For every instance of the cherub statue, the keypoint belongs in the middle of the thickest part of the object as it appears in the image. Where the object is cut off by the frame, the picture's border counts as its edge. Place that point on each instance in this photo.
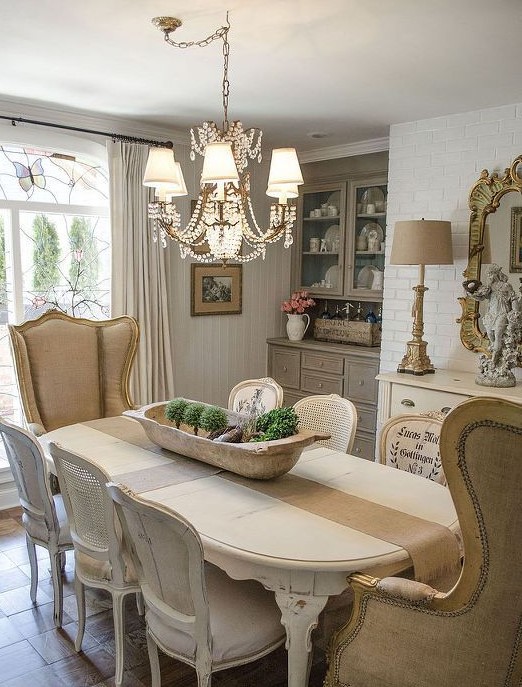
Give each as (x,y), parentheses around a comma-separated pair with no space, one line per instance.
(503,325)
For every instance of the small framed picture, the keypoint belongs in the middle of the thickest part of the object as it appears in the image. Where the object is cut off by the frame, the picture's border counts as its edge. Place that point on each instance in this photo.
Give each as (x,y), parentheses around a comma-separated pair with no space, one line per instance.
(216,290)
(515,244)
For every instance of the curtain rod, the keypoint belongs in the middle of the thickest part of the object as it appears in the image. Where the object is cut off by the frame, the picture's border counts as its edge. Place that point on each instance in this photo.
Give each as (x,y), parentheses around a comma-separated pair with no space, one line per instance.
(115,137)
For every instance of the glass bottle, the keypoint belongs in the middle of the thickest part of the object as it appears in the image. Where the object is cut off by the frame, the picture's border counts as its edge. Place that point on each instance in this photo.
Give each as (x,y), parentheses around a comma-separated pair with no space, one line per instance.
(371,317)
(325,315)
(337,314)
(359,317)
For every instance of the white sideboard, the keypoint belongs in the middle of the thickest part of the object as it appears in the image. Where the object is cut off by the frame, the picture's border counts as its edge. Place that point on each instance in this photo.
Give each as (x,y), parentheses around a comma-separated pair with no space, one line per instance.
(405,393)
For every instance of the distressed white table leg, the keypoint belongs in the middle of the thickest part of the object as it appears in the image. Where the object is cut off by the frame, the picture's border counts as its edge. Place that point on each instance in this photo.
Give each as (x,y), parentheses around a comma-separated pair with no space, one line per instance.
(299,616)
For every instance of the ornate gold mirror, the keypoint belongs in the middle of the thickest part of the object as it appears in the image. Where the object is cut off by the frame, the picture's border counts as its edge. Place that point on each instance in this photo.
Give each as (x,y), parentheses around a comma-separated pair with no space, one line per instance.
(495,236)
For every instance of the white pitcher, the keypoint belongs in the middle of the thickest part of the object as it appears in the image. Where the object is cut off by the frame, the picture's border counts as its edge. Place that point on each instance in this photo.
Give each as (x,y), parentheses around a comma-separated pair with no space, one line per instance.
(296,326)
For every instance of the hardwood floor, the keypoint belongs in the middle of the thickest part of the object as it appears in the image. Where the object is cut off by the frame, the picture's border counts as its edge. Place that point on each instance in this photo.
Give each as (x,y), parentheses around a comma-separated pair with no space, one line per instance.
(33,653)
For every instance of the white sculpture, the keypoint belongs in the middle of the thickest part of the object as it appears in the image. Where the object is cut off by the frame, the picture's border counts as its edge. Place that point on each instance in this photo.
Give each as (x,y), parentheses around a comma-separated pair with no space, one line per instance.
(503,325)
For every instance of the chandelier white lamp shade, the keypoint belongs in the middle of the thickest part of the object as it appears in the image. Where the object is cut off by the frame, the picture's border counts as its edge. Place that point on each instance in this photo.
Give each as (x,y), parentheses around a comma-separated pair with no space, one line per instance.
(223,225)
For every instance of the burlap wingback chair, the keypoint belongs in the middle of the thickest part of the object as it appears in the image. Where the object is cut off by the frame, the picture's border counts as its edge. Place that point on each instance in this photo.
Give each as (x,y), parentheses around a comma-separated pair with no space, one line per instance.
(405,634)
(71,370)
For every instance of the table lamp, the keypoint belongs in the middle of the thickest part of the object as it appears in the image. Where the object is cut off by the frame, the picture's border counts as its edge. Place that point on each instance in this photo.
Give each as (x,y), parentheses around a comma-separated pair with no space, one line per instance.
(420,242)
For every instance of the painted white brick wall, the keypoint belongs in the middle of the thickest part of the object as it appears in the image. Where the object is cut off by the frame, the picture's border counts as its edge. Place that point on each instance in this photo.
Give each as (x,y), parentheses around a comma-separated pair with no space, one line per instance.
(433,164)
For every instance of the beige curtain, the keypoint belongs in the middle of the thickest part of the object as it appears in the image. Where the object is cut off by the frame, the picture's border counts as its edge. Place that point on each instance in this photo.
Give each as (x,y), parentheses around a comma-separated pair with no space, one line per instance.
(140,273)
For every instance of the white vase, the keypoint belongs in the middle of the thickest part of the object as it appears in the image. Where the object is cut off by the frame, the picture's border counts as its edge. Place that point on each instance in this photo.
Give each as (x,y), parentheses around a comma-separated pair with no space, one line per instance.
(297,326)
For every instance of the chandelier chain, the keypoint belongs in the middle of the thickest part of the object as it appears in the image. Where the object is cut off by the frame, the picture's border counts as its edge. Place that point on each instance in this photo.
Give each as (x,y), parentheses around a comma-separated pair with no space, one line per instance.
(222,33)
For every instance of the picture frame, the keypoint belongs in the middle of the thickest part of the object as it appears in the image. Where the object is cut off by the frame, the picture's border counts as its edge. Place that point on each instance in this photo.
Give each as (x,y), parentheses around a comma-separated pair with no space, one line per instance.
(515,243)
(216,289)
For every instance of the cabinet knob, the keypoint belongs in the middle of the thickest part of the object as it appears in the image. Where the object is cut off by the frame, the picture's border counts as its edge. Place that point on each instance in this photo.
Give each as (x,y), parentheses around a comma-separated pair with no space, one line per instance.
(408,403)
(321,363)
(357,450)
(320,385)
(285,369)
(361,382)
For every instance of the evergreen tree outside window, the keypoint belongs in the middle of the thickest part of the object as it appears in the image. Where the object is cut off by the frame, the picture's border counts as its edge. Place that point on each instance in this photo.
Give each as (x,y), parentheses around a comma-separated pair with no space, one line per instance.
(46,253)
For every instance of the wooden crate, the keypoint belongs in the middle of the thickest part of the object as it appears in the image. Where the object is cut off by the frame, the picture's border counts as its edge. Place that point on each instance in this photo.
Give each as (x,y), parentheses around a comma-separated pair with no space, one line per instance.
(346,331)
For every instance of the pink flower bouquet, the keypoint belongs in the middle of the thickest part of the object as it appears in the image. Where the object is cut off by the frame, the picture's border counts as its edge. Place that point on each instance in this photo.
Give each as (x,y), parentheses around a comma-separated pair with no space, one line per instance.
(298,302)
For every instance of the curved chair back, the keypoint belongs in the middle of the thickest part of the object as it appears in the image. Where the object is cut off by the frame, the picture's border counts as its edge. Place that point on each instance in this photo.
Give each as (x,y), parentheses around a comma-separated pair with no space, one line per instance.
(27,463)
(43,514)
(255,396)
(411,442)
(168,556)
(329,413)
(71,370)
(90,511)
(471,635)
(195,612)
(101,560)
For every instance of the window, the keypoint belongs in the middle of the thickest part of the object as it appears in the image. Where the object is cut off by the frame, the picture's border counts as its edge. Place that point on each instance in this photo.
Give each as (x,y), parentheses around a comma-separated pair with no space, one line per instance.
(54,243)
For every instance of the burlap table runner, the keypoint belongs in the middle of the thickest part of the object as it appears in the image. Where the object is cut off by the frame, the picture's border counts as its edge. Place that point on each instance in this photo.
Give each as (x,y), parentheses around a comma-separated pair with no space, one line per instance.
(179,468)
(432,548)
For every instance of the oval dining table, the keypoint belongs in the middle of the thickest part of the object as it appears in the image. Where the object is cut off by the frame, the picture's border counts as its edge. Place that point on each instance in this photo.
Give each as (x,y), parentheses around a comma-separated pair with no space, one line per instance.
(299,535)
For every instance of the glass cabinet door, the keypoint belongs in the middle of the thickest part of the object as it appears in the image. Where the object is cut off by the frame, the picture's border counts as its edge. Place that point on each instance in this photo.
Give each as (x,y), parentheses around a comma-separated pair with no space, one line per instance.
(365,273)
(320,246)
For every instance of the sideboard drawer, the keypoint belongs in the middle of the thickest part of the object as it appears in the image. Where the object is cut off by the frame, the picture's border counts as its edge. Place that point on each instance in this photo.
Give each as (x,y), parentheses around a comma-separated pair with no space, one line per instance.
(363,447)
(333,364)
(320,384)
(410,399)
(366,417)
(286,367)
(360,384)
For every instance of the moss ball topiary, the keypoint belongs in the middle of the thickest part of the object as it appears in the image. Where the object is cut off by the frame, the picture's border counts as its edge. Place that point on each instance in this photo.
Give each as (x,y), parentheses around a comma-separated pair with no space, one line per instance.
(192,415)
(213,419)
(174,410)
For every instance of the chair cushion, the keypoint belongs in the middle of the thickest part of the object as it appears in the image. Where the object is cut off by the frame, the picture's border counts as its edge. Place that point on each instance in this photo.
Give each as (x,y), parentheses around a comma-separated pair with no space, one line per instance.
(243,618)
(94,569)
(37,529)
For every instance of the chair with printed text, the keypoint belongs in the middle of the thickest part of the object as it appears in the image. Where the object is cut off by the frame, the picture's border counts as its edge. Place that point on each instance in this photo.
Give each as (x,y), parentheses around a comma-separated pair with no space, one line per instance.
(255,396)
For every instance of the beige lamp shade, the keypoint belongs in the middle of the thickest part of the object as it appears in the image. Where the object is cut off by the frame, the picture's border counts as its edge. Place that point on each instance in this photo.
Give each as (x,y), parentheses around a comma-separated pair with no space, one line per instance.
(219,164)
(283,192)
(174,189)
(422,242)
(284,168)
(161,168)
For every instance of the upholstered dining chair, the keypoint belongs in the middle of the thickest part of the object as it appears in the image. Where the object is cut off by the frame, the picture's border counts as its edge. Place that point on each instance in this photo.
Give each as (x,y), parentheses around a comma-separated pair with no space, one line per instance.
(470,635)
(329,413)
(101,560)
(411,442)
(43,514)
(71,370)
(194,611)
(255,396)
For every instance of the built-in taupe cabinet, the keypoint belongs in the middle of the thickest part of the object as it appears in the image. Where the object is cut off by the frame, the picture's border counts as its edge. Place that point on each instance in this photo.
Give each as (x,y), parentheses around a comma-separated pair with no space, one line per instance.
(341,233)
(309,367)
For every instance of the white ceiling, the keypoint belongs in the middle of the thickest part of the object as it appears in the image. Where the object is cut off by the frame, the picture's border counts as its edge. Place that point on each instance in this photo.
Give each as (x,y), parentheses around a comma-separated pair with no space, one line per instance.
(345,68)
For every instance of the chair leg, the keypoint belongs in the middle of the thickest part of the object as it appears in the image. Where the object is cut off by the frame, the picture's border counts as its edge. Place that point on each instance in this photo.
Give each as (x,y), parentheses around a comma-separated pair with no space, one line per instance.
(31,552)
(155,671)
(79,589)
(118,611)
(56,576)
(140,605)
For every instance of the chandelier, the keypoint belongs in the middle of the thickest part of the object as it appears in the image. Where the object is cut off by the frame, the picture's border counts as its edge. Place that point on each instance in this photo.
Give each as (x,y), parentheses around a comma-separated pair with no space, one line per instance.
(223,225)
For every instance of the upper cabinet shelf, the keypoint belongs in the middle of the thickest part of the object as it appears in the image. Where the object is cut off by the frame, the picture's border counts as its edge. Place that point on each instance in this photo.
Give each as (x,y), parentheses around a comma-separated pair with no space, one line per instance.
(341,232)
